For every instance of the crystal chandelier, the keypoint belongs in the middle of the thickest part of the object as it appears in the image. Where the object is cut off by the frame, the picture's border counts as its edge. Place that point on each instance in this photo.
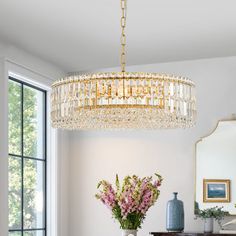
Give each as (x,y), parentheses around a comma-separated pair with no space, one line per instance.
(123,100)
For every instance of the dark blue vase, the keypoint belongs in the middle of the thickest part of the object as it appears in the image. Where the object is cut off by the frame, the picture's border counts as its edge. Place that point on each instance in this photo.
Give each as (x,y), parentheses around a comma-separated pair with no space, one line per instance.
(175,215)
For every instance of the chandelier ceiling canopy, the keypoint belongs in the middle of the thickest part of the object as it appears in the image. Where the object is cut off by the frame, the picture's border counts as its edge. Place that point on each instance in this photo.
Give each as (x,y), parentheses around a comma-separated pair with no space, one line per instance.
(123,100)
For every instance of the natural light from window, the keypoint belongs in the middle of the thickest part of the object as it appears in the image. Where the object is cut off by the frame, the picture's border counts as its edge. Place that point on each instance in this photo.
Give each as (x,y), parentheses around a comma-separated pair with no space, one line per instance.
(27,159)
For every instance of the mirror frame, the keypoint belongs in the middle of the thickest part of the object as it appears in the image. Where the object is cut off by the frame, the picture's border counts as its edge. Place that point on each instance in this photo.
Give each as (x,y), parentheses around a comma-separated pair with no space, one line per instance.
(195,156)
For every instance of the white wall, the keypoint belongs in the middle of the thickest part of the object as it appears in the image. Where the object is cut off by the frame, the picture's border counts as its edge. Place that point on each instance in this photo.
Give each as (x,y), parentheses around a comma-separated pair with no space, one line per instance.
(100,155)
(62,178)
(3,152)
(25,60)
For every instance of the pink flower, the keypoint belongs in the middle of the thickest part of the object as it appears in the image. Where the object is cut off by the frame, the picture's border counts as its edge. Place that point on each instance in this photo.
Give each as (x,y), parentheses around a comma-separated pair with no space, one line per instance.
(135,196)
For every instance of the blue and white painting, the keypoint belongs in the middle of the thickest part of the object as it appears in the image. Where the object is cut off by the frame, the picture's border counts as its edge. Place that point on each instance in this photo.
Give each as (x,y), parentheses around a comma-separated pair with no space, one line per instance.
(216,190)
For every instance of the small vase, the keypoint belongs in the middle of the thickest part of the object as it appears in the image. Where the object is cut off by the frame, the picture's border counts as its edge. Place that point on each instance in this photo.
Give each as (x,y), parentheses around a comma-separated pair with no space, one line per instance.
(175,215)
(208,225)
(129,232)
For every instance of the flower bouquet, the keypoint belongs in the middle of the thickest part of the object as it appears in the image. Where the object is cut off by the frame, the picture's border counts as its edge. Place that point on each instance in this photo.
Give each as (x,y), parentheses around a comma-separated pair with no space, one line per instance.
(130,201)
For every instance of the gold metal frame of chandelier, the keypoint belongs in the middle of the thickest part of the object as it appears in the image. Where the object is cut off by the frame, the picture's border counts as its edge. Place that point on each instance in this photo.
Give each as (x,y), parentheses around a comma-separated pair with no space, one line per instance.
(123,35)
(123,77)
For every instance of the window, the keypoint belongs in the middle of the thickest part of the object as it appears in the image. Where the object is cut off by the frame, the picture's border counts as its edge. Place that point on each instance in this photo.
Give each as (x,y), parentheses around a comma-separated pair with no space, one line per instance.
(27,159)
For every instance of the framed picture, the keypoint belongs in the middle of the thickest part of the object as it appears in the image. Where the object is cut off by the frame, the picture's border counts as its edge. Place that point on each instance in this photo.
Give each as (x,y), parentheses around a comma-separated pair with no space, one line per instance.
(216,190)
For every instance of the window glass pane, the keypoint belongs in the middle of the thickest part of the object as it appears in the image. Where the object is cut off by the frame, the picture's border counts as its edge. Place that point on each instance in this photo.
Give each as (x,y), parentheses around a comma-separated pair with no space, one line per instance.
(14,199)
(14,118)
(33,119)
(33,194)
(14,233)
(27,207)
(34,233)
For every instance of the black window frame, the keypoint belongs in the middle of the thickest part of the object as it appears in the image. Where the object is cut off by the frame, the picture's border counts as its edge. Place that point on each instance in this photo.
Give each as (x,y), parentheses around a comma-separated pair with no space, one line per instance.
(22,230)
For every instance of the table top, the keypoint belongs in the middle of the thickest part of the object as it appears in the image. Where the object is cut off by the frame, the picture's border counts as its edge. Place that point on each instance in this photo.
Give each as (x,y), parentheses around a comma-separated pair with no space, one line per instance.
(189,233)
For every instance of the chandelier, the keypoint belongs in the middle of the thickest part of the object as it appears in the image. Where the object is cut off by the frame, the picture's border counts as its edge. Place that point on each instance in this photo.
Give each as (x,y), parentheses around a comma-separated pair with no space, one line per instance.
(123,100)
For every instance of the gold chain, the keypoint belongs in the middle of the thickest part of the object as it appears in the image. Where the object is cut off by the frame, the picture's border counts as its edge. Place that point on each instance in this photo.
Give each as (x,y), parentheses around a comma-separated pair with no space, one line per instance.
(123,35)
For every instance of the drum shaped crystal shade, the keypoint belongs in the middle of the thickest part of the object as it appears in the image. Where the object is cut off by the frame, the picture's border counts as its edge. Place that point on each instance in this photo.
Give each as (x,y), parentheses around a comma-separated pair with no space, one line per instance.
(123,101)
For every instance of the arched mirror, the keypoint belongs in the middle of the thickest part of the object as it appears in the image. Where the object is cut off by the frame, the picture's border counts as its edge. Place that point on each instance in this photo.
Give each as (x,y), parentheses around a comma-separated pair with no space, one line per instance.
(216,168)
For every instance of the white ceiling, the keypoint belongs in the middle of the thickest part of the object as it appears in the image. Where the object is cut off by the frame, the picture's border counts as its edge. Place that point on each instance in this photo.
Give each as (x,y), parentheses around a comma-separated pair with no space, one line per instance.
(82,35)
